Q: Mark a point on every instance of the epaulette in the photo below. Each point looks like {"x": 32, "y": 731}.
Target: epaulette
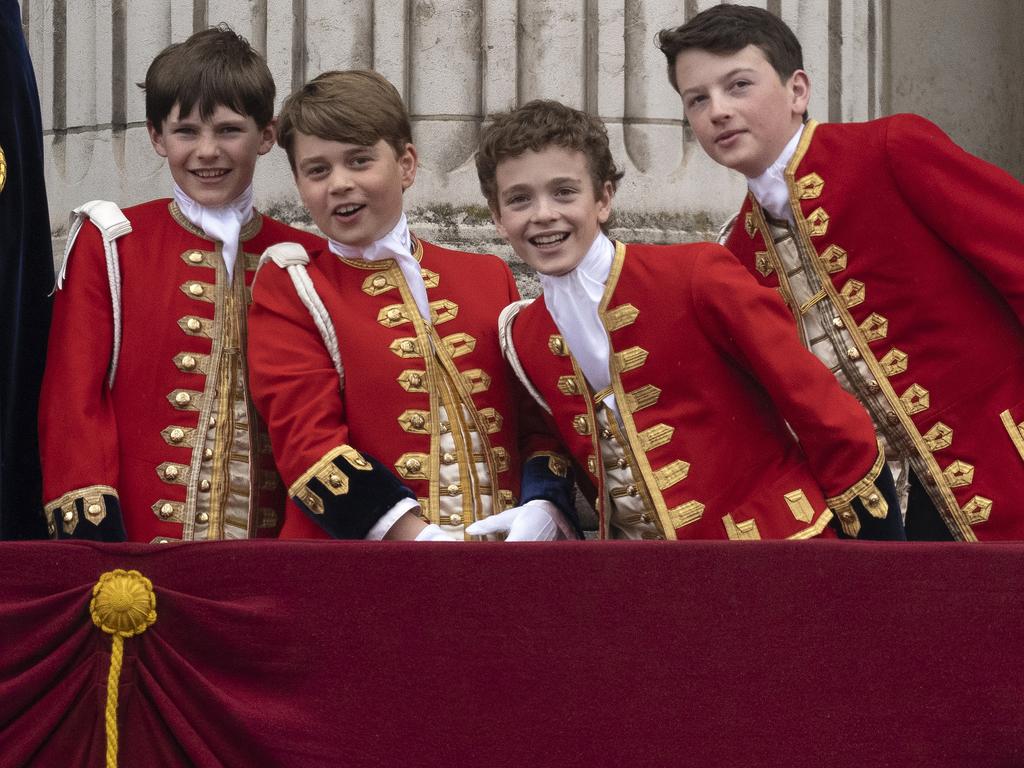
{"x": 508, "y": 348}
{"x": 294, "y": 258}
{"x": 108, "y": 218}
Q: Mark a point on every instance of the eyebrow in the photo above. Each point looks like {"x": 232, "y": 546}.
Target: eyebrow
{"x": 727, "y": 76}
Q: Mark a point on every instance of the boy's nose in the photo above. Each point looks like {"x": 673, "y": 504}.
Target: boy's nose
{"x": 544, "y": 211}
{"x": 208, "y": 146}
{"x": 339, "y": 181}
{"x": 718, "y": 106}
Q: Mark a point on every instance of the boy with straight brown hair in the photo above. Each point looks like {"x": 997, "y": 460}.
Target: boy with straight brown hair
{"x": 147, "y": 432}
{"x": 672, "y": 400}
{"x": 375, "y": 360}
{"x": 898, "y": 254}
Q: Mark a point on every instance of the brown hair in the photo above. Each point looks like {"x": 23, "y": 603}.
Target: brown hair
{"x": 211, "y": 68}
{"x": 539, "y": 124}
{"x": 729, "y": 28}
{"x": 357, "y": 106}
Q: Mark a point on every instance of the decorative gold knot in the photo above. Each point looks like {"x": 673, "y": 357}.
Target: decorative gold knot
{"x": 123, "y": 603}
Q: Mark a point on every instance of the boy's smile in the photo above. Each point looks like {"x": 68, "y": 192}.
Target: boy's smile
{"x": 353, "y": 192}
{"x": 741, "y": 112}
{"x": 212, "y": 160}
{"x": 547, "y": 209}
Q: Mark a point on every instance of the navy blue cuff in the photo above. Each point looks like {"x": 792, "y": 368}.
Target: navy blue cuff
{"x": 549, "y": 476}
{"x": 89, "y": 514}
{"x": 346, "y": 492}
{"x": 889, "y": 528}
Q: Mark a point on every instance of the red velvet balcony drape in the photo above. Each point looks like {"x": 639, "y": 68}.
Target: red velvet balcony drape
{"x": 351, "y": 654}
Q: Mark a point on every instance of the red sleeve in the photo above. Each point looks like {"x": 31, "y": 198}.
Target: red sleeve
{"x": 973, "y": 206}
{"x": 751, "y": 324}
{"x": 77, "y": 426}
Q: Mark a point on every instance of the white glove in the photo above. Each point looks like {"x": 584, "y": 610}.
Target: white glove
{"x": 433, "y": 532}
{"x": 537, "y": 520}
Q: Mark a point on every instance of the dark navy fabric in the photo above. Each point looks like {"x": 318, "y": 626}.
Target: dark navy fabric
{"x": 539, "y": 482}
{"x": 26, "y": 276}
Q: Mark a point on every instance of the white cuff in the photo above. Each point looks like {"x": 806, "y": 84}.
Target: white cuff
{"x": 389, "y": 518}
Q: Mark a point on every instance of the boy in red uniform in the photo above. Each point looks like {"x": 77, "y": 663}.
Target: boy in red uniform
{"x": 375, "y": 360}
{"x": 147, "y": 431}
{"x": 898, "y": 253}
{"x": 672, "y": 399}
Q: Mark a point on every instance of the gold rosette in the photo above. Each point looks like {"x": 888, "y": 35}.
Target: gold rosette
{"x": 123, "y": 605}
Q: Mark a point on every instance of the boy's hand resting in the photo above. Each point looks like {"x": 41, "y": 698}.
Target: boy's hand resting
{"x": 433, "y": 532}
{"x": 536, "y": 520}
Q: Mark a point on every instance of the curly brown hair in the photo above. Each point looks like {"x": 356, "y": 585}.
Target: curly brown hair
{"x": 539, "y": 124}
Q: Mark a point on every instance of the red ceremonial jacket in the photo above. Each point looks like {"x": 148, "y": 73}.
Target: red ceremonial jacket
{"x": 385, "y": 412}
{"x": 142, "y": 444}
{"x": 920, "y": 250}
{"x": 706, "y": 373}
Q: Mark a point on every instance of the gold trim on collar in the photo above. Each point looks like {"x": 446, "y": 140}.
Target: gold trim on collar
{"x": 249, "y": 230}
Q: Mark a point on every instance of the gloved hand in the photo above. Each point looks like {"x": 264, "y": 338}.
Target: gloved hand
{"x": 433, "y": 532}
{"x": 537, "y": 520}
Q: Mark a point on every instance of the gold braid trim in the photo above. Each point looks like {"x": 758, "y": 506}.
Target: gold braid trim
{"x": 869, "y": 495}
{"x": 79, "y": 493}
{"x": 123, "y": 605}
{"x": 326, "y": 463}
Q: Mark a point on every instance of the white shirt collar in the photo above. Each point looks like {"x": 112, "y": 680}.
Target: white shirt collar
{"x": 573, "y": 300}
{"x": 769, "y": 189}
{"x": 223, "y": 224}
{"x": 397, "y": 245}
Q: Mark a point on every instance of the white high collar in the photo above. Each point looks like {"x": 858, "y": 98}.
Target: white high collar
{"x": 769, "y": 189}
{"x": 573, "y": 300}
{"x": 397, "y": 245}
{"x": 223, "y": 223}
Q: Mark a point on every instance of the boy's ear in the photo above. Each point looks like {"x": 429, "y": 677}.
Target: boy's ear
{"x": 268, "y": 135}
{"x": 496, "y": 218}
{"x": 156, "y": 138}
{"x": 799, "y": 87}
{"x": 604, "y": 202}
{"x": 408, "y": 161}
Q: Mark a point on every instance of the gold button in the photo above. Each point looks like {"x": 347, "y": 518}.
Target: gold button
{"x": 171, "y": 472}
{"x": 456, "y": 519}
{"x": 837, "y": 322}
{"x": 204, "y": 485}
{"x": 847, "y": 516}
{"x": 621, "y": 463}
{"x": 415, "y": 380}
{"x": 417, "y": 421}
{"x": 606, "y": 434}
{"x": 177, "y": 435}
{"x": 335, "y": 480}
{"x": 873, "y": 498}
{"x": 445, "y": 427}
{"x": 188, "y": 363}
{"x": 213, "y": 421}
{"x": 203, "y": 517}
{"x": 448, "y": 458}
{"x": 631, "y": 490}
{"x": 196, "y": 289}
{"x": 166, "y": 510}
{"x": 183, "y": 398}
{"x": 892, "y": 417}
{"x": 195, "y": 257}
{"x": 413, "y": 465}
{"x": 453, "y": 489}
{"x": 557, "y": 346}
{"x": 94, "y": 509}
{"x": 408, "y": 346}
{"x": 207, "y": 454}
{"x": 379, "y": 281}
{"x": 193, "y": 324}
{"x": 68, "y": 516}
{"x": 394, "y": 314}
{"x": 644, "y": 518}
{"x": 852, "y": 353}
{"x": 872, "y": 385}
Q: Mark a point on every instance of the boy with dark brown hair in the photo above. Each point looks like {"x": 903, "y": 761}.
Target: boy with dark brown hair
{"x": 897, "y": 252}
{"x": 375, "y": 360}
{"x": 147, "y": 431}
{"x": 672, "y": 401}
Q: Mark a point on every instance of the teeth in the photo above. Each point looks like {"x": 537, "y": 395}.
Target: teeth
{"x": 347, "y": 209}
{"x": 549, "y": 239}
{"x": 209, "y": 173}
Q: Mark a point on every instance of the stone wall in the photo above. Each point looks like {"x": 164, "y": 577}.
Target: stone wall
{"x": 455, "y": 62}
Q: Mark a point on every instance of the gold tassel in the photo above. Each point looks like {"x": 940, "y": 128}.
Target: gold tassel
{"x": 123, "y": 605}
